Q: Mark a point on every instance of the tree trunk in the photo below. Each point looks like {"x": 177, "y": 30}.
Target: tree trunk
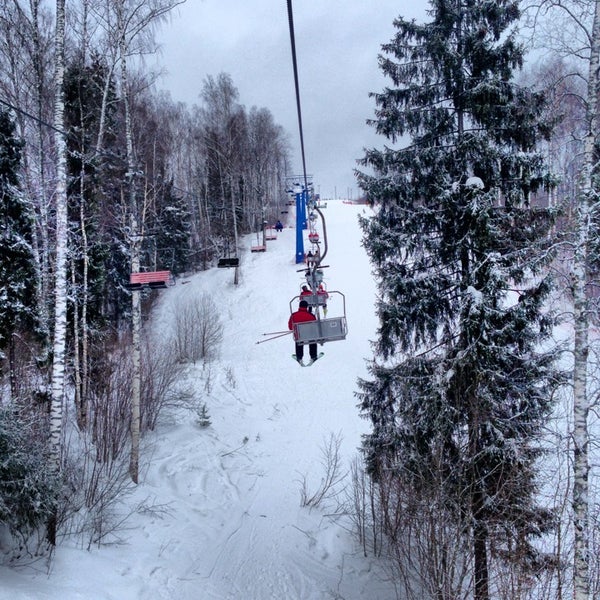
{"x": 41, "y": 241}
{"x": 581, "y": 407}
{"x": 135, "y": 236}
{"x": 80, "y": 320}
{"x": 60, "y": 300}
{"x": 136, "y": 316}
{"x": 480, "y": 530}
{"x": 480, "y": 551}
{"x": 580, "y": 415}
{"x": 236, "y": 276}
{"x": 76, "y": 350}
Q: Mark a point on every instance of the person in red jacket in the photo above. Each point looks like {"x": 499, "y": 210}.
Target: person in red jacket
{"x": 306, "y": 292}
{"x": 302, "y": 316}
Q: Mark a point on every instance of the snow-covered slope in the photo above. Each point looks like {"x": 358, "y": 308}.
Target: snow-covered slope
{"x": 231, "y": 524}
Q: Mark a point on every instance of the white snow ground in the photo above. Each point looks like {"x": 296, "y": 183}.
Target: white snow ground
{"x": 233, "y": 527}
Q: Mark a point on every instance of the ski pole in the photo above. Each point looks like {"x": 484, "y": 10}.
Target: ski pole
{"x": 277, "y": 332}
{"x": 274, "y": 337}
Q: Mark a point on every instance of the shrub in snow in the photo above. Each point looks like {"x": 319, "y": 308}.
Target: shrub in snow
{"x": 332, "y": 477}
{"x": 96, "y": 508}
{"x": 198, "y": 331}
{"x": 27, "y": 490}
{"x": 161, "y": 381}
{"x": 203, "y": 416}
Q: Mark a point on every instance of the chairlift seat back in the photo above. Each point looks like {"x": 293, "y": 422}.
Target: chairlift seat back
{"x": 320, "y": 331}
{"x": 228, "y": 262}
{"x": 315, "y": 300}
{"x": 150, "y": 279}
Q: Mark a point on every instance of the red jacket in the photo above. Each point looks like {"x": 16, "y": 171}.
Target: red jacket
{"x": 300, "y": 316}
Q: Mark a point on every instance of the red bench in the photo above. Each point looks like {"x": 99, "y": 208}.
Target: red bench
{"x": 151, "y": 279}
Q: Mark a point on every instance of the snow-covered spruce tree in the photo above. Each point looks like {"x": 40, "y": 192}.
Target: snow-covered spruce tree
{"x": 17, "y": 270}
{"x": 28, "y": 491}
{"x": 172, "y": 223}
{"x": 463, "y": 371}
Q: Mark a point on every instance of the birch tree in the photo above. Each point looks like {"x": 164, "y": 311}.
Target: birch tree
{"x": 133, "y": 20}
{"x": 572, "y": 29}
{"x": 60, "y": 271}
{"x": 223, "y": 132}
{"x": 584, "y": 233}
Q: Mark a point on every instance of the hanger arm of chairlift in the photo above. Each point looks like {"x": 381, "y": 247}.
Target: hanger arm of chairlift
{"x": 310, "y": 268}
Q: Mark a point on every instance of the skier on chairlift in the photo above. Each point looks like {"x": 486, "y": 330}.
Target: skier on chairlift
{"x": 302, "y": 316}
{"x": 306, "y": 291}
{"x": 323, "y": 295}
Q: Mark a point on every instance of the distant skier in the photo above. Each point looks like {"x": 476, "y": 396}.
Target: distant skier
{"x": 279, "y": 226}
{"x": 302, "y": 316}
{"x": 306, "y": 291}
{"x": 322, "y": 296}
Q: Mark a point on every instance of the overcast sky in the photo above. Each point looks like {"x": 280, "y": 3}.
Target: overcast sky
{"x": 337, "y": 43}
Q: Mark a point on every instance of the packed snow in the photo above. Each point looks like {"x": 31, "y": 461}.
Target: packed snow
{"x": 222, "y": 516}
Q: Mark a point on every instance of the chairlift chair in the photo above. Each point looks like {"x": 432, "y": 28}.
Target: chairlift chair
{"x": 259, "y": 247}
{"x": 150, "y": 279}
{"x": 320, "y": 330}
{"x": 224, "y": 263}
{"x": 228, "y": 261}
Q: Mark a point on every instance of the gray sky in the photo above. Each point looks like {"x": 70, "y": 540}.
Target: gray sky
{"x": 337, "y": 43}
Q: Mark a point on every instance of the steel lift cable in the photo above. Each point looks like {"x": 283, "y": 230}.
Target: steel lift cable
{"x": 295, "y": 65}
{"x": 313, "y": 206}
{"x": 320, "y": 330}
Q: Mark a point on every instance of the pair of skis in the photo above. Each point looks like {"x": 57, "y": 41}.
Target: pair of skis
{"x": 277, "y": 334}
{"x": 309, "y": 363}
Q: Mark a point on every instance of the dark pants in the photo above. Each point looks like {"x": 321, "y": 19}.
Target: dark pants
{"x": 312, "y": 350}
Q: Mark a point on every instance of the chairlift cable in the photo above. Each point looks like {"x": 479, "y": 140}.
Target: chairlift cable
{"x": 300, "y": 128}
{"x": 297, "y": 86}
{"x": 336, "y": 327}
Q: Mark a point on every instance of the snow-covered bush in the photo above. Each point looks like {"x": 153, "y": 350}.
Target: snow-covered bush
{"x": 198, "y": 330}
{"x": 27, "y": 490}
{"x": 96, "y": 459}
{"x": 161, "y": 381}
{"x": 332, "y": 477}
{"x": 95, "y": 510}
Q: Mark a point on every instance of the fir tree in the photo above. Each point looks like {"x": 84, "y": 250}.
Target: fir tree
{"x": 171, "y": 225}
{"x": 460, "y": 385}
{"x": 28, "y": 491}
{"x": 95, "y": 239}
{"x": 17, "y": 272}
